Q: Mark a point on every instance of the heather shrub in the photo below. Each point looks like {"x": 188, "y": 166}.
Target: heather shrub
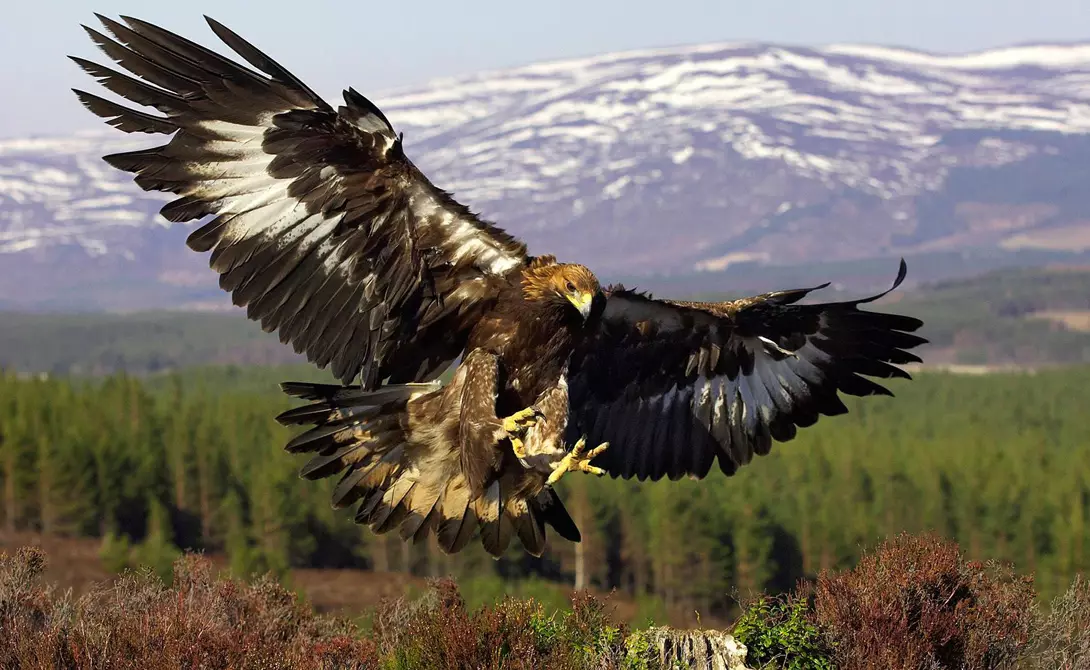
{"x": 139, "y": 622}
{"x": 201, "y": 619}
{"x": 33, "y": 620}
{"x": 915, "y": 603}
{"x": 778, "y": 633}
{"x": 1061, "y": 637}
{"x": 439, "y": 632}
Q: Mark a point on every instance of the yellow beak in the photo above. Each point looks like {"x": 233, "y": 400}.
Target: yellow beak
{"x": 582, "y": 303}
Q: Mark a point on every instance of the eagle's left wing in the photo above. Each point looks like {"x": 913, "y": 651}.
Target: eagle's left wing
{"x": 321, "y": 225}
{"x": 672, "y": 385}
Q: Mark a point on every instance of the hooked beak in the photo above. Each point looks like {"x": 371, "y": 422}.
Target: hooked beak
{"x": 583, "y": 303}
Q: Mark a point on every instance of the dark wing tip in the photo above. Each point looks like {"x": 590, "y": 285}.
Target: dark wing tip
{"x": 132, "y": 21}
{"x": 902, "y": 271}
{"x": 362, "y": 104}
{"x": 221, "y": 31}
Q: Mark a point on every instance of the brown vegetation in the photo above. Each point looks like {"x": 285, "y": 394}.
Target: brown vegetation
{"x": 75, "y": 563}
{"x": 916, "y": 603}
{"x": 206, "y": 621}
{"x": 1061, "y": 638}
{"x": 199, "y": 621}
{"x": 913, "y": 603}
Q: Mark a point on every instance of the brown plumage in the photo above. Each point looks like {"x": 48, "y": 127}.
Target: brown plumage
{"x": 329, "y": 235}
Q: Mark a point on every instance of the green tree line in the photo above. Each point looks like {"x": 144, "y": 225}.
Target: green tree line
{"x": 1000, "y": 463}
{"x": 993, "y": 318}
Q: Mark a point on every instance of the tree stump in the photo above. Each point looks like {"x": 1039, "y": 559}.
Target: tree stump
{"x": 698, "y": 649}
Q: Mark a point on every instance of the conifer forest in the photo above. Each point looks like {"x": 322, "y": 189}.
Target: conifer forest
{"x": 194, "y": 460}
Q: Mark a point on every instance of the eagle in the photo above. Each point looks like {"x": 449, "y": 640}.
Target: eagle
{"x": 329, "y": 235}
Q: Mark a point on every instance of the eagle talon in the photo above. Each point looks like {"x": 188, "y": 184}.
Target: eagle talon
{"x": 516, "y": 426}
{"x": 521, "y": 420}
{"x": 578, "y": 461}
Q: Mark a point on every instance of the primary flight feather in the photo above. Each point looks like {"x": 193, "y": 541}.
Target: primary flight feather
{"x": 329, "y": 235}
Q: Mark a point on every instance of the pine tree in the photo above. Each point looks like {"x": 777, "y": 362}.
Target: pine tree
{"x": 157, "y": 550}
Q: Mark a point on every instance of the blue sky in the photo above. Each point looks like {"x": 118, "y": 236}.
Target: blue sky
{"x": 377, "y": 46}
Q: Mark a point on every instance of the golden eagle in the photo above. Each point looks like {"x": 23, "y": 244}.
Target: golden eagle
{"x": 328, "y": 234}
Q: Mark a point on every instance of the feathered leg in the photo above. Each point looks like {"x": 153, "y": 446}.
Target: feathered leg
{"x": 480, "y": 430}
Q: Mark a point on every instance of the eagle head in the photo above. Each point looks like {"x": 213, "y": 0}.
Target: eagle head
{"x": 566, "y": 284}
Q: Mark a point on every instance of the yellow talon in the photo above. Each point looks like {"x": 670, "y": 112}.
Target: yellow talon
{"x": 578, "y": 461}
{"x": 520, "y": 420}
{"x": 516, "y": 426}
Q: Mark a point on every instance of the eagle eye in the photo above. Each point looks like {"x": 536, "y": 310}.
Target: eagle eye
{"x": 570, "y": 287}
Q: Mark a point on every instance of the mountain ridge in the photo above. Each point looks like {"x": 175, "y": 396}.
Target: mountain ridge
{"x": 690, "y": 159}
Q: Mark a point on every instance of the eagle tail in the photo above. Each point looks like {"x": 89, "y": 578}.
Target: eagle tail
{"x": 494, "y": 509}
{"x": 414, "y": 485}
{"x": 365, "y": 435}
{"x": 409, "y": 481}
{"x": 505, "y": 511}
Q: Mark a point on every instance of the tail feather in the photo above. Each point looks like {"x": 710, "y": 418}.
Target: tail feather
{"x": 326, "y": 464}
{"x": 553, "y": 512}
{"x": 390, "y": 512}
{"x": 348, "y": 491}
{"x": 458, "y": 520}
{"x": 431, "y": 524}
{"x": 529, "y": 526}
{"x": 422, "y": 518}
{"x": 349, "y": 396}
{"x": 379, "y": 476}
{"x": 370, "y": 502}
{"x": 415, "y": 484}
{"x": 324, "y": 411}
{"x": 321, "y": 437}
{"x": 496, "y": 526}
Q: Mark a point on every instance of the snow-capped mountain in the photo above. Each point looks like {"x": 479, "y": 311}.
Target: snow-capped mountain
{"x": 658, "y": 161}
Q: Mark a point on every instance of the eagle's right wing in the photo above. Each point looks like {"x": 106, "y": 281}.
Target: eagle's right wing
{"x": 674, "y": 386}
{"x": 323, "y": 228}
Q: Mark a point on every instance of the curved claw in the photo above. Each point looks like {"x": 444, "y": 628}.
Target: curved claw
{"x": 578, "y": 461}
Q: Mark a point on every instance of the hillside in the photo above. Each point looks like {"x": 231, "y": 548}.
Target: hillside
{"x": 1022, "y": 317}
{"x": 666, "y": 161}
{"x": 1025, "y": 317}
{"x": 141, "y": 343}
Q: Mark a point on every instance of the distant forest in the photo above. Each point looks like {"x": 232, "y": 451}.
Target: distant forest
{"x": 1022, "y": 317}
{"x": 997, "y": 462}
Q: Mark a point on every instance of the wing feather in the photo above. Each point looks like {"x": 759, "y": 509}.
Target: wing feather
{"x": 674, "y": 386}
{"x": 322, "y": 227}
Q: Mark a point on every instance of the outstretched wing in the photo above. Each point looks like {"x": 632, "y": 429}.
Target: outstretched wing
{"x": 673, "y": 385}
{"x": 323, "y": 229}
